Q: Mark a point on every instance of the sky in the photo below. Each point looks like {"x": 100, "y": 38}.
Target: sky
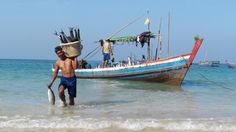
{"x": 27, "y": 26}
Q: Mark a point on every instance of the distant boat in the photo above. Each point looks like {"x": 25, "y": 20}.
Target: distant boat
{"x": 213, "y": 63}
{"x": 210, "y": 63}
{"x": 204, "y": 63}
{"x": 231, "y": 65}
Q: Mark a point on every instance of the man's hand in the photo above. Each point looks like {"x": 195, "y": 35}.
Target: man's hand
{"x": 49, "y": 85}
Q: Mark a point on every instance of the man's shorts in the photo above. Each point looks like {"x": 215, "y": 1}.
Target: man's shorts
{"x": 106, "y": 56}
{"x": 69, "y": 83}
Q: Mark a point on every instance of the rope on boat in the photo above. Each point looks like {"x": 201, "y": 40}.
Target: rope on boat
{"x": 136, "y": 19}
{"x": 211, "y": 81}
{"x": 214, "y": 82}
{"x": 94, "y": 54}
{"x": 91, "y": 52}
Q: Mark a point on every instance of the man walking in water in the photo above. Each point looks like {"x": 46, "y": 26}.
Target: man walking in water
{"x": 68, "y": 79}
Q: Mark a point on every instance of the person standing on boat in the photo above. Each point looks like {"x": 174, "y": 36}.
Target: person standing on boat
{"x": 67, "y": 65}
{"x": 106, "y": 51}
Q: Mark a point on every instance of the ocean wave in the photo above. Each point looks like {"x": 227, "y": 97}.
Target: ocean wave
{"x": 209, "y": 124}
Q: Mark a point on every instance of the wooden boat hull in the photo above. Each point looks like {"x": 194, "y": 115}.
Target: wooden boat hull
{"x": 173, "y": 76}
{"x": 169, "y": 71}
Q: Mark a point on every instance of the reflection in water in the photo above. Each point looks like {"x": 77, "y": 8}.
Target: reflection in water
{"x": 148, "y": 86}
{"x": 51, "y": 110}
{"x": 69, "y": 111}
{"x": 105, "y": 102}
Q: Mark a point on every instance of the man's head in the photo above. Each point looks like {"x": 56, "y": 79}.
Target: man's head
{"x": 59, "y": 52}
{"x": 101, "y": 42}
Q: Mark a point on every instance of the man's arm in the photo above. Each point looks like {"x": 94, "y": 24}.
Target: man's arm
{"x": 75, "y": 63}
{"x": 54, "y": 75}
{"x": 102, "y": 49}
{"x": 110, "y": 49}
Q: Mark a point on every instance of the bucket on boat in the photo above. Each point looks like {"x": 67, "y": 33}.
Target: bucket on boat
{"x": 72, "y": 49}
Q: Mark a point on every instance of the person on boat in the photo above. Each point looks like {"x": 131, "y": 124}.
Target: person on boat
{"x": 68, "y": 80}
{"x": 106, "y": 51}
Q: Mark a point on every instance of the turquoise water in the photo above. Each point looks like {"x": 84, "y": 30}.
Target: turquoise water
{"x": 205, "y": 102}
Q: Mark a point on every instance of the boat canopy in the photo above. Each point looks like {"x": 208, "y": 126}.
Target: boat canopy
{"x": 141, "y": 38}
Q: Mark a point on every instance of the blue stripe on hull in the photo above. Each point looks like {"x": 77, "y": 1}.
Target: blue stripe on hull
{"x": 127, "y": 72}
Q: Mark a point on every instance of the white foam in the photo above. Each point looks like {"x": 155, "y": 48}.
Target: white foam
{"x": 3, "y": 117}
{"x": 119, "y": 123}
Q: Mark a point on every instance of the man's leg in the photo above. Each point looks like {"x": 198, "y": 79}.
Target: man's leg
{"x": 61, "y": 93}
{"x": 72, "y": 91}
{"x": 72, "y": 102}
{"x": 106, "y": 63}
{"x": 103, "y": 64}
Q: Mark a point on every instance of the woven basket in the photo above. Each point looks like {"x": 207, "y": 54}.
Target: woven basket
{"x": 72, "y": 49}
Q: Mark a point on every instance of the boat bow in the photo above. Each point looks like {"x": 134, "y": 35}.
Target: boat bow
{"x": 195, "y": 49}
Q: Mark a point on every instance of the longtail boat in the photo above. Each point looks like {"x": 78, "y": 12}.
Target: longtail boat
{"x": 214, "y": 63}
{"x": 170, "y": 70}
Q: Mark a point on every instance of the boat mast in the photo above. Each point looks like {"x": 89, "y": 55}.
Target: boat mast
{"x": 160, "y": 44}
{"x": 148, "y": 49}
{"x": 168, "y": 39}
{"x": 147, "y": 22}
{"x": 205, "y": 56}
{"x": 159, "y": 37}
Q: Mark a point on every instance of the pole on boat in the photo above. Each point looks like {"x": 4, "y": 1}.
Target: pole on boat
{"x": 159, "y": 38}
{"x": 148, "y": 48}
{"x": 147, "y": 22}
{"x": 168, "y": 36}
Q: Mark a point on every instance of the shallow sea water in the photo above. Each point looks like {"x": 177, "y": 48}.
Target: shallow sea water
{"x": 205, "y": 102}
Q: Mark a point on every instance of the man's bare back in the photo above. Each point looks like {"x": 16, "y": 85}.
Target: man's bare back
{"x": 67, "y": 67}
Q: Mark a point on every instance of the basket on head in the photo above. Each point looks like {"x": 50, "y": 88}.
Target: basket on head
{"x": 72, "y": 49}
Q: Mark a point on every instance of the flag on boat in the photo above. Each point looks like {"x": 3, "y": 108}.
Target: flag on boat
{"x": 147, "y": 21}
